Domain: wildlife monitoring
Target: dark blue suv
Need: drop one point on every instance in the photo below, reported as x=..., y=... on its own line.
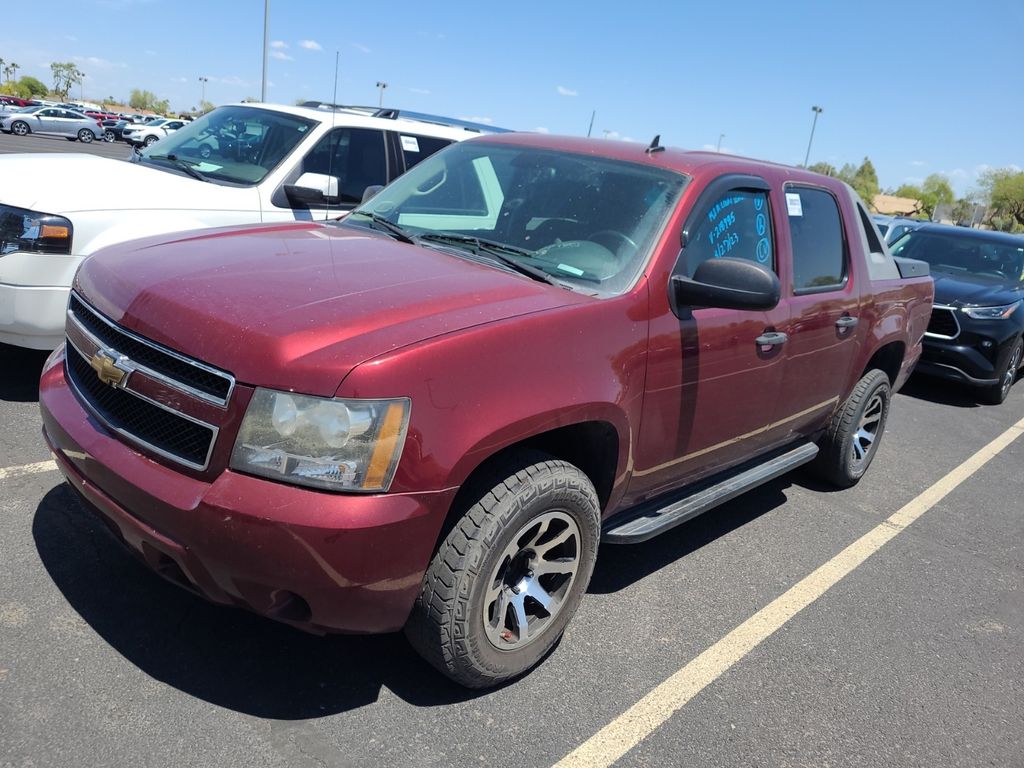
x=976, y=333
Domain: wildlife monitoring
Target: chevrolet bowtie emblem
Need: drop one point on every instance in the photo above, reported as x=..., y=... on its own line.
x=107, y=369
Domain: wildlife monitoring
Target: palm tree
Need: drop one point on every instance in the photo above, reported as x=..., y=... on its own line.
x=13, y=69
x=2, y=62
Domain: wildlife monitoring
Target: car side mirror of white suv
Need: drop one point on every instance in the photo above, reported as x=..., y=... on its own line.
x=316, y=188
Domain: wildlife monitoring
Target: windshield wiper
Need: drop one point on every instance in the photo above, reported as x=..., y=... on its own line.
x=390, y=226
x=181, y=164
x=506, y=254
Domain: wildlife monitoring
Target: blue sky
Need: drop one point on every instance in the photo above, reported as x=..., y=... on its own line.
x=919, y=87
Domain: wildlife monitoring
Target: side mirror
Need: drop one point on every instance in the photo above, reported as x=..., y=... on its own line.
x=370, y=191
x=727, y=283
x=313, y=189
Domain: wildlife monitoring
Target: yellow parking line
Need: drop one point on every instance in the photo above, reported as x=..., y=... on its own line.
x=639, y=721
x=27, y=469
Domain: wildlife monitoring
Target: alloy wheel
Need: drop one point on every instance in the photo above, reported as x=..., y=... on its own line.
x=868, y=429
x=531, y=581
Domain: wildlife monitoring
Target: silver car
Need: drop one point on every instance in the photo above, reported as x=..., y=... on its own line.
x=56, y=120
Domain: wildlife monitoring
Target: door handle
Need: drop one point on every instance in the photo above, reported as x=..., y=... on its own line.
x=771, y=339
x=846, y=321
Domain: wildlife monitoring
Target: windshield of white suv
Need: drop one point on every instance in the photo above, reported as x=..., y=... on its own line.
x=230, y=145
x=589, y=222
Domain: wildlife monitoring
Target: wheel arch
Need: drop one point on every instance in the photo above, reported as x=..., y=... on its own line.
x=888, y=358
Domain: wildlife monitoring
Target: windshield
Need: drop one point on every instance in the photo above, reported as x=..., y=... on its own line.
x=233, y=145
x=955, y=253
x=588, y=221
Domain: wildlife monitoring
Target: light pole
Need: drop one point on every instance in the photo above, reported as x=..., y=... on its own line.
x=204, y=81
x=817, y=111
x=720, y=137
x=266, y=49
x=381, y=85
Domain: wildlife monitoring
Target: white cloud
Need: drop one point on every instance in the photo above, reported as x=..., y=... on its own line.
x=476, y=119
x=234, y=80
x=562, y=90
x=280, y=56
x=918, y=163
x=179, y=79
x=279, y=44
x=97, y=63
x=150, y=53
x=310, y=45
x=421, y=91
x=72, y=38
x=541, y=129
x=360, y=47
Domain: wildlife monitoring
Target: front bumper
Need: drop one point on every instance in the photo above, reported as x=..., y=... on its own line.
x=320, y=561
x=962, y=360
x=34, y=290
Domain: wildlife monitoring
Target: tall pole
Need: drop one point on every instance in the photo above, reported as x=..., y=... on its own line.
x=203, y=80
x=266, y=48
x=381, y=85
x=720, y=137
x=591, y=127
x=817, y=111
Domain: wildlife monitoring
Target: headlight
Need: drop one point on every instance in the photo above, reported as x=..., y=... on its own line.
x=23, y=230
x=1002, y=312
x=340, y=445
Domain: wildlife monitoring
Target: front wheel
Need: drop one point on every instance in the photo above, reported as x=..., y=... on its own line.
x=20, y=128
x=86, y=136
x=108, y=136
x=150, y=140
x=997, y=393
x=509, y=576
x=852, y=438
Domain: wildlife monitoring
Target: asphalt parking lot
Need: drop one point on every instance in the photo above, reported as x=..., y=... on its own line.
x=915, y=657
x=795, y=626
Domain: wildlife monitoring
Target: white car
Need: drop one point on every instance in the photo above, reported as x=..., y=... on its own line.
x=149, y=133
x=241, y=163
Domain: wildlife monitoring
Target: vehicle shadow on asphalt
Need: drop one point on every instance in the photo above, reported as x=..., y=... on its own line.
x=940, y=391
x=19, y=373
x=619, y=566
x=222, y=655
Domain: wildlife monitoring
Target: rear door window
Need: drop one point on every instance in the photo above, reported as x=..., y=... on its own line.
x=819, y=246
x=415, y=149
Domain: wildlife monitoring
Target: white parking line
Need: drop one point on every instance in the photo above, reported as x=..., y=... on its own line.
x=27, y=469
x=639, y=721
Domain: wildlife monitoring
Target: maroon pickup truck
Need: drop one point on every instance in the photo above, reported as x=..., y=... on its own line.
x=426, y=416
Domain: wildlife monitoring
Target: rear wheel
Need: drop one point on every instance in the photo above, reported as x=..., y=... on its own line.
x=20, y=128
x=852, y=438
x=509, y=576
x=86, y=136
x=997, y=393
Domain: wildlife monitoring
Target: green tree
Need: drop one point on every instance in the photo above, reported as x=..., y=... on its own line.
x=846, y=173
x=65, y=76
x=865, y=181
x=140, y=99
x=825, y=169
x=205, y=106
x=34, y=86
x=1004, y=188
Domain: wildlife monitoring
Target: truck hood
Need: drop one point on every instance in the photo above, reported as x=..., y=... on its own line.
x=68, y=183
x=298, y=306
x=975, y=290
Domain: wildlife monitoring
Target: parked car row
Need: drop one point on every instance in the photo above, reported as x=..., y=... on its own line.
x=74, y=126
x=422, y=406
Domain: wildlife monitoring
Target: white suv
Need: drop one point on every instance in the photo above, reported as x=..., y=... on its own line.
x=242, y=163
x=151, y=132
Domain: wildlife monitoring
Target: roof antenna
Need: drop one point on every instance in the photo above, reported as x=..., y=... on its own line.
x=655, y=146
x=331, y=137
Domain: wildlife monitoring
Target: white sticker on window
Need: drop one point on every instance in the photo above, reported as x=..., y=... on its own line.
x=793, y=204
x=409, y=144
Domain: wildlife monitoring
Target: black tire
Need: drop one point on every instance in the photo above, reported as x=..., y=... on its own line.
x=997, y=393
x=109, y=137
x=150, y=140
x=71, y=138
x=852, y=438
x=472, y=593
x=86, y=136
x=20, y=128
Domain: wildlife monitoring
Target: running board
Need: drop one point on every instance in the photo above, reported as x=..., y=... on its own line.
x=650, y=518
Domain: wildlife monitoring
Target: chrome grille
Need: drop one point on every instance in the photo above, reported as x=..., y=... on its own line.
x=943, y=323
x=171, y=366
x=149, y=394
x=175, y=436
